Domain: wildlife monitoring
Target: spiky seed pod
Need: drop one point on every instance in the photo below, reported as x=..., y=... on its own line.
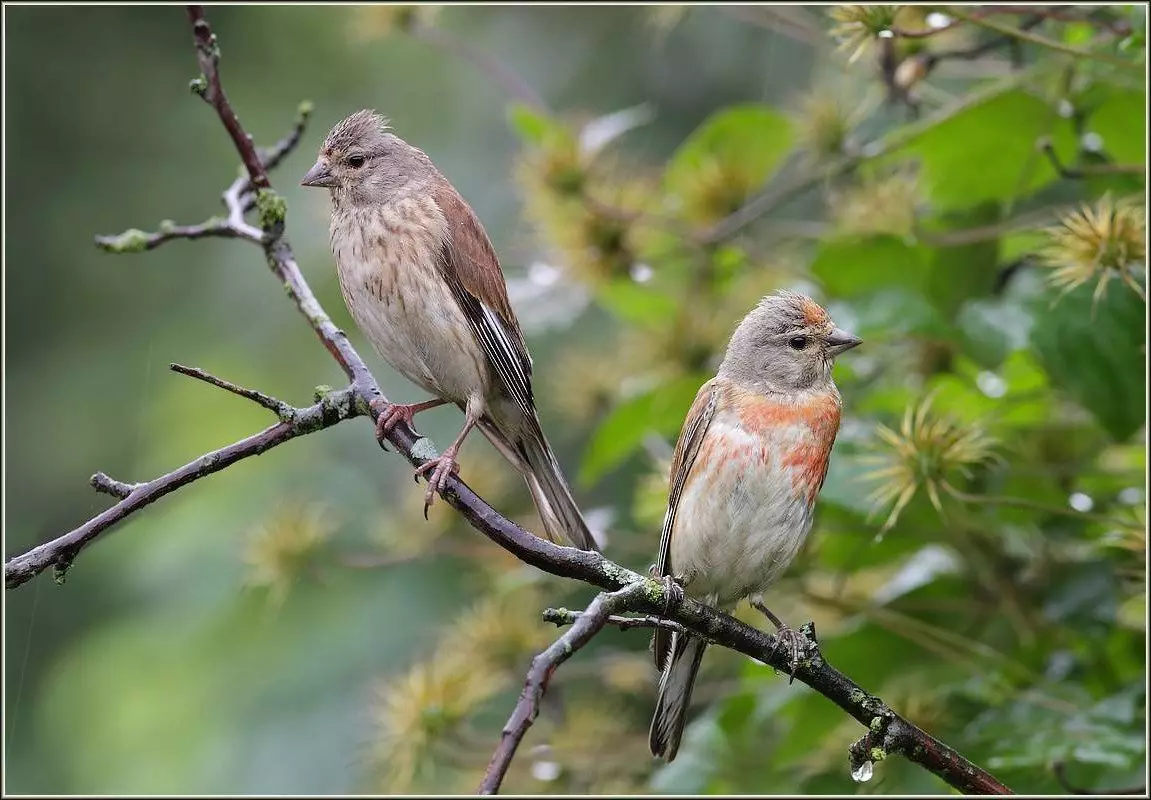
x=856, y=27
x=285, y=546
x=1097, y=243
x=885, y=205
x=926, y=453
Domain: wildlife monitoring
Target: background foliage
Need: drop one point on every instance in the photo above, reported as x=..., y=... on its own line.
x=979, y=553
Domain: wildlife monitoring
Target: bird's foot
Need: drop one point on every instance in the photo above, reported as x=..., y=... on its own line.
x=785, y=636
x=437, y=471
x=673, y=593
x=390, y=415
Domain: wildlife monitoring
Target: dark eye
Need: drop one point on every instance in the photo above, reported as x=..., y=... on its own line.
x=356, y=161
x=797, y=342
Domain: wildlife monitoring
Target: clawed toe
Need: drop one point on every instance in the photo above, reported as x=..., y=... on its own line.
x=794, y=641
x=390, y=415
x=673, y=593
x=440, y=470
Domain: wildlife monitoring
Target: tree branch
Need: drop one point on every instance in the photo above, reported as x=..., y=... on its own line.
x=282, y=410
x=59, y=553
x=586, y=626
x=562, y=616
x=625, y=590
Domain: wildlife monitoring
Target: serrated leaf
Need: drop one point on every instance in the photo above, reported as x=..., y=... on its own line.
x=749, y=140
x=1098, y=357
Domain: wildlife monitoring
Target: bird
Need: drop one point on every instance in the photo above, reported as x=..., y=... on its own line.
x=749, y=463
x=423, y=283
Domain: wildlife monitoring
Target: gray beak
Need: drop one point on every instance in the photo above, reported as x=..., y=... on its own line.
x=841, y=341
x=319, y=175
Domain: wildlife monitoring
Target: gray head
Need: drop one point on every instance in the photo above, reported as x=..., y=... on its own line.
x=361, y=162
x=785, y=344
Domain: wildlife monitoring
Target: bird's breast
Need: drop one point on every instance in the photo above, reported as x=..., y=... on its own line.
x=386, y=258
x=748, y=502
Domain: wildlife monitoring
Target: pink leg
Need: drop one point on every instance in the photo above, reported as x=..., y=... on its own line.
x=392, y=413
x=445, y=464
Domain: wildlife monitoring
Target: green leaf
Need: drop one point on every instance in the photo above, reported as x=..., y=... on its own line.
x=660, y=410
x=1122, y=123
x=1097, y=355
x=988, y=151
x=639, y=304
x=856, y=265
x=964, y=271
x=749, y=140
x=535, y=127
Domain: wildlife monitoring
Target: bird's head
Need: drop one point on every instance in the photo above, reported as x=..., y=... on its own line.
x=363, y=162
x=786, y=344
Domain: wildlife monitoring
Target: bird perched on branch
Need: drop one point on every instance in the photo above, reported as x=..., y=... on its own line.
x=424, y=284
x=748, y=466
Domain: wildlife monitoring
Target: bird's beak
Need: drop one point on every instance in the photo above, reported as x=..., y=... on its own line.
x=319, y=175
x=841, y=341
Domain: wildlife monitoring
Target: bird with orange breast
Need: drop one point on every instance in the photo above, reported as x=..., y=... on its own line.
x=747, y=469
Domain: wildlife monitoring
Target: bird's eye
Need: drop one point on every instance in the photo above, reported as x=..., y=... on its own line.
x=797, y=342
x=356, y=161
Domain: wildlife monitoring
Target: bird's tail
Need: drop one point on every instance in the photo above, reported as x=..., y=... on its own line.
x=675, y=686
x=533, y=457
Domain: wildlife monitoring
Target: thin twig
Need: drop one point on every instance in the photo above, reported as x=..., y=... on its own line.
x=563, y=616
x=209, y=87
x=1041, y=41
x=60, y=552
x=586, y=625
x=1047, y=147
x=282, y=410
x=137, y=241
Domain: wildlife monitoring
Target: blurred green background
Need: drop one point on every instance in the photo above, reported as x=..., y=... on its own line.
x=293, y=626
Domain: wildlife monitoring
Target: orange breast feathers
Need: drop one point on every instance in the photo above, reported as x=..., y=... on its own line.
x=805, y=429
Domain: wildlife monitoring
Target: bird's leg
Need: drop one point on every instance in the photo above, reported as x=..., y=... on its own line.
x=390, y=414
x=672, y=589
x=785, y=635
x=443, y=465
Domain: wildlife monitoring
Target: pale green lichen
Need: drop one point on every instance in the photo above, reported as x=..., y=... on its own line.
x=877, y=724
x=878, y=754
x=167, y=226
x=132, y=240
x=271, y=207
x=198, y=85
x=424, y=449
x=305, y=109
x=857, y=696
x=321, y=391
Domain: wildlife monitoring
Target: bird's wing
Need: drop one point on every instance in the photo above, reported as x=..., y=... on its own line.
x=691, y=436
x=471, y=269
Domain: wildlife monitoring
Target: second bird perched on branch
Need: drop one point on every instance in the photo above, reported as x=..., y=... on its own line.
x=423, y=282
x=748, y=466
